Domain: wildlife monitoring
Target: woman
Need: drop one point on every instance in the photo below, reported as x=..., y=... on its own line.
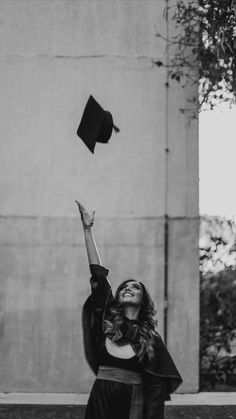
x=135, y=374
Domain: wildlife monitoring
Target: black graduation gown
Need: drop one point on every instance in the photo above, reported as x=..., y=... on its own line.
x=160, y=375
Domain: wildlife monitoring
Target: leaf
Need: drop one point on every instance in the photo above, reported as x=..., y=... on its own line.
x=206, y=33
x=159, y=63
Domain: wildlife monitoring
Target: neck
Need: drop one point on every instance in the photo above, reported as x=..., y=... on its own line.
x=131, y=312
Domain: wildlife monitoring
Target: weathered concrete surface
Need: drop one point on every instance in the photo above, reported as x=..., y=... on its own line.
x=61, y=52
x=45, y=280
x=183, y=305
x=53, y=55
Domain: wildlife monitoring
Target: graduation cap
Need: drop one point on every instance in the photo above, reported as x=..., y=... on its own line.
x=96, y=125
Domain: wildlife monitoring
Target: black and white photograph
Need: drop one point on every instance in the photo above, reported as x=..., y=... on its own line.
x=117, y=209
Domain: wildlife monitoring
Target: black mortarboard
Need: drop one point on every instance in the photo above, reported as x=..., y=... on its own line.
x=96, y=124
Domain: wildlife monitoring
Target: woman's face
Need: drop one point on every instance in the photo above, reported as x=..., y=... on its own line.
x=131, y=294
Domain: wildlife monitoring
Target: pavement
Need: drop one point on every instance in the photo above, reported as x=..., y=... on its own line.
x=72, y=406
x=77, y=412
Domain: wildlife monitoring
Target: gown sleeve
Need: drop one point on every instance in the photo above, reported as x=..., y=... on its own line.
x=93, y=313
x=100, y=287
x=163, y=367
x=154, y=396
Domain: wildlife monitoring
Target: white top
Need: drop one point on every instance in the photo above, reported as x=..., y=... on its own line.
x=125, y=351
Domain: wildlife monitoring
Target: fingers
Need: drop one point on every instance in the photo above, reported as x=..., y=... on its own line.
x=81, y=208
x=80, y=205
x=84, y=213
x=93, y=214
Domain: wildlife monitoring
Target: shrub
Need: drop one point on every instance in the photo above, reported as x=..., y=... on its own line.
x=217, y=328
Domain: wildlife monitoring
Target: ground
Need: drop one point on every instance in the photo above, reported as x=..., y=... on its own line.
x=77, y=412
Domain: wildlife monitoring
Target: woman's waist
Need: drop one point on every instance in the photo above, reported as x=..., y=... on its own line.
x=121, y=375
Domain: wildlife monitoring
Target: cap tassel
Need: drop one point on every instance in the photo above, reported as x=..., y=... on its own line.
x=116, y=128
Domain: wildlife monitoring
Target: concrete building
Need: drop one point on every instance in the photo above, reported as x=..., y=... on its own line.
x=54, y=54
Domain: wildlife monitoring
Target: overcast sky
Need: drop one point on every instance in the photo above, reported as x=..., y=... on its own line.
x=217, y=138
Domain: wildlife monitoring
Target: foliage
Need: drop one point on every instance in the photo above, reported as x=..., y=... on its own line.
x=217, y=327
x=203, y=48
x=217, y=301
x=217, y=244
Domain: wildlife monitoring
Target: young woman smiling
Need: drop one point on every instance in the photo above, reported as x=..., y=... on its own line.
x=135, y=373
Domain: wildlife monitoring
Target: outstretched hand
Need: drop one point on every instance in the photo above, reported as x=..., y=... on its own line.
x=87, y=219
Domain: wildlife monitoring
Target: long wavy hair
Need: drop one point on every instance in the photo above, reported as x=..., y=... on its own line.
x=146, y=322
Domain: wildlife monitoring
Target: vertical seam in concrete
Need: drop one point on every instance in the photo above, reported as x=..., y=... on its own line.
x=52, y=127
x=166, y=229
x=166, y=112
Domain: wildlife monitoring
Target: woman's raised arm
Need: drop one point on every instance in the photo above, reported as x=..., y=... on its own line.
x=87, y=221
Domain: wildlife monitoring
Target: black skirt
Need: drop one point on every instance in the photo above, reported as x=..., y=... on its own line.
x=109, y=400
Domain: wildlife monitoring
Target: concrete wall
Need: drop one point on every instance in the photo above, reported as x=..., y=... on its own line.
x=53, y=55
